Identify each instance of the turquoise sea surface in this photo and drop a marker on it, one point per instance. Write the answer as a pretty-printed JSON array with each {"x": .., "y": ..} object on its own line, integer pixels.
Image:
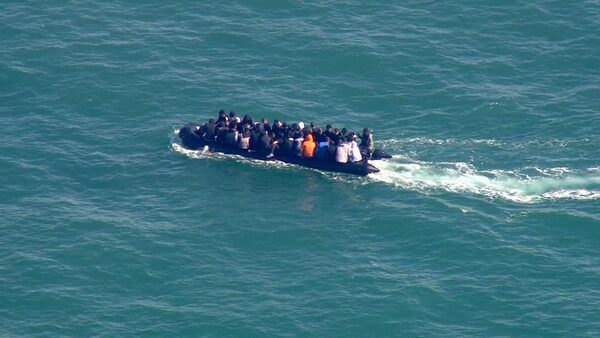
[{"x": 485, "y": 223}]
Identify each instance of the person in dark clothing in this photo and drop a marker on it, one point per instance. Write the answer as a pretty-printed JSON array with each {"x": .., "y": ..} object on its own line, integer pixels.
[
  {"x": 329, "y": 132},
  {"x": 298, "y": 135},
  {"x": 264, "y": 140},
  {"x": 288, "y": 142},
  {"x": 200, "y": 130},
  {"x": 276, "y": 134},
  {"x": 265, "y": 124},
  {"x": 210, "y": 130},
  {"x": 222, "y": 121},
  {"x": 331, "y": 151},
  {"x": 336, "y": 137},
  {"x": 254, "y": 138},
  {"x": 231, "y": 137},
  {"x": 277, "y": 130},
  {"x": 344, "y": 133},
  {"x": 247, "y": 120},
  {"x": 366, "y": 145},
  {"x": 319, "y": 135},
  {"x": 232, "y": 117},
  {"x": 222, "y": 117},
  {"x": 222, "y": 133},
  {"x": 284, "y": 129}
]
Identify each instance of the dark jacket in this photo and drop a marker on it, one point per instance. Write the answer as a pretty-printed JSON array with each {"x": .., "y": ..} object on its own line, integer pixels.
[
  {"x": 264, "y": 143},
  {"x": 221, "y": 135},
  {"x": 210, "y": 130},
  {"x": 367, "y": 142},
  {"x": 278, "y": 131},
  {"x": 254, "y": 139}
]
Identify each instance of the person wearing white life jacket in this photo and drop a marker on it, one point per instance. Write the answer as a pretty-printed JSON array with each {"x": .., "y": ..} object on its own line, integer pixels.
[
  {"x": 355, "y": 155},
  {"x": 342, "y": 152}
]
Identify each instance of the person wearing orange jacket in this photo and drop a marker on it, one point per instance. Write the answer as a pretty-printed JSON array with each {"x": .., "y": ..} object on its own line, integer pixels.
[{"x": 308, "y": 147}]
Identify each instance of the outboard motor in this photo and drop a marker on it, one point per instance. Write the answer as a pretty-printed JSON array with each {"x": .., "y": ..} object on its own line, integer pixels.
[{"x": 380, "y": 154}]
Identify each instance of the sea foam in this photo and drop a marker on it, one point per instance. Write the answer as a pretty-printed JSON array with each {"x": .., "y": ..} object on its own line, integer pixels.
[{"x": 511, "y": 185}]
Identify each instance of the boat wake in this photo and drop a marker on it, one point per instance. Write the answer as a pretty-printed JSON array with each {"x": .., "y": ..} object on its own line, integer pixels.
[
  {"x": 526, "y": 186},
  {"x": 205, "y": 154}
]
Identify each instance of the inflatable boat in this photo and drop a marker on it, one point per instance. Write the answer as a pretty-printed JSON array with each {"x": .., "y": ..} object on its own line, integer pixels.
[{"x": 193, "y": 141}]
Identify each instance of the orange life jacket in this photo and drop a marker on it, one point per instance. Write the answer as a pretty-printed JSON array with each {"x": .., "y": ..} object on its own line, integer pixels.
[{"x": 308, "y": 147}]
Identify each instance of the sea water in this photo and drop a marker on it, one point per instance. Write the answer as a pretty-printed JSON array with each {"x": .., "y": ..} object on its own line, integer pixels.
[{"x": 486, "y": 222}]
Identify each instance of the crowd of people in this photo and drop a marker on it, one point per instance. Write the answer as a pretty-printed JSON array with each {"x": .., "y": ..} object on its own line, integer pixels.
[{"x": 282, "y": 139}]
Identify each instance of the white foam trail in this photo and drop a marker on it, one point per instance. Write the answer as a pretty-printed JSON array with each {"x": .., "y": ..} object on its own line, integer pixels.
[
  {"x": 507, "y": 185},
  {"x": 205, "y": 154},
  {"x": 432, "y": 141},
  {"x": 546, "y": 143}
]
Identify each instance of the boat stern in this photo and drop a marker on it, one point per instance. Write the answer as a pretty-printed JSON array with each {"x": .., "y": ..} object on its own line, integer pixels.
[{"x": 371, "y": 169}]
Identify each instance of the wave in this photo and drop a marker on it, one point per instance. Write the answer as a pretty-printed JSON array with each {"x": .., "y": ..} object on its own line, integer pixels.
[{"x": 515, "y": 186}]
